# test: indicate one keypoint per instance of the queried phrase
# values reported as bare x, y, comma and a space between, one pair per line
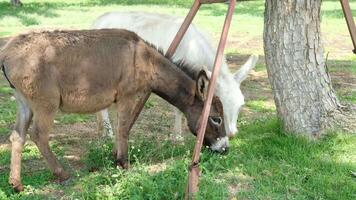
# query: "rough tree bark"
16, 3
296, 67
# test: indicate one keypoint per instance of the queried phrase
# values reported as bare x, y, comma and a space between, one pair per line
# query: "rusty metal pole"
185, 25
350, 21
194, 170
179, 36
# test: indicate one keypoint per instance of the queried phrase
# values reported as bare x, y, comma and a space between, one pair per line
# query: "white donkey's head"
231, 96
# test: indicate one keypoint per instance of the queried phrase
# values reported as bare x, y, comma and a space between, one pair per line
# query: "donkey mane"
182, 65
160, 50
187, 68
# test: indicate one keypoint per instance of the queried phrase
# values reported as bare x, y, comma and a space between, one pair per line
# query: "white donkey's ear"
245, 69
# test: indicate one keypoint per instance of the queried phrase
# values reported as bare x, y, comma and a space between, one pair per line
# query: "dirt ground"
3, 41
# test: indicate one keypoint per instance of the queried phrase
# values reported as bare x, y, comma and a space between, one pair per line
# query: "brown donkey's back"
77, 71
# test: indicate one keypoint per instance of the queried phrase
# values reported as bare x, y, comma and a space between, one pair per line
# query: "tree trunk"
296, 67
16, 3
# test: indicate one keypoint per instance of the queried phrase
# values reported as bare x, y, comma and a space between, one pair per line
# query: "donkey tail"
3, 55
3, 68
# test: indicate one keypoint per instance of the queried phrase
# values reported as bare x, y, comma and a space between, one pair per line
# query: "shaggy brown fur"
86, 71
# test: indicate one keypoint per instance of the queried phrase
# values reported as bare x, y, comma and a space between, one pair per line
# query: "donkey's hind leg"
42, 124
18, 138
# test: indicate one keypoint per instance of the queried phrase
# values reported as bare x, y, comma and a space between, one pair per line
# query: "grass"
7, 109
263, 162
260, 106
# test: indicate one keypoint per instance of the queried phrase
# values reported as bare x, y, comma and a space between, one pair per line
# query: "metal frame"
194, 171
350, 21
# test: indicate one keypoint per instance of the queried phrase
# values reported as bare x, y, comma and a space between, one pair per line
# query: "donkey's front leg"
128, 111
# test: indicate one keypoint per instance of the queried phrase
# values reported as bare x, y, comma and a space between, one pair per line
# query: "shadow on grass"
22, 13
48, 9
181, 3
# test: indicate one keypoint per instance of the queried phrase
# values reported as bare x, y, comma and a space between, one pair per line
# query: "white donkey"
195, 49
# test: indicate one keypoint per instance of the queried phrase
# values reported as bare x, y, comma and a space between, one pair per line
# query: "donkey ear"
202, 85
245, 69
208, 74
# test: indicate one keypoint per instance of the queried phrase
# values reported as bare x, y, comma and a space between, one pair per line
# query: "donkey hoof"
122, 164
62, 176
17, 186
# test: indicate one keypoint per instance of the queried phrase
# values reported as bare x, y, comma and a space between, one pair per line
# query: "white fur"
220, 145
195, 49
106, 123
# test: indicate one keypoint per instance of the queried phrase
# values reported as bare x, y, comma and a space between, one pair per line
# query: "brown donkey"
86, 71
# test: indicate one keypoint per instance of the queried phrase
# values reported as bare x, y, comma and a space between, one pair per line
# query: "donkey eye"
215, 120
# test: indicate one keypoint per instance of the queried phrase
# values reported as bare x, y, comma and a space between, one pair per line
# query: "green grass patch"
73, 118
6, 90
7, 114
347, 96
295, 167
260, 67
260, 106
263, 161
5, 157
140, 151
346, 66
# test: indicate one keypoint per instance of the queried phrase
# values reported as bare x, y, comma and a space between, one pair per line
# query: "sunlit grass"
247, 24
260, 106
